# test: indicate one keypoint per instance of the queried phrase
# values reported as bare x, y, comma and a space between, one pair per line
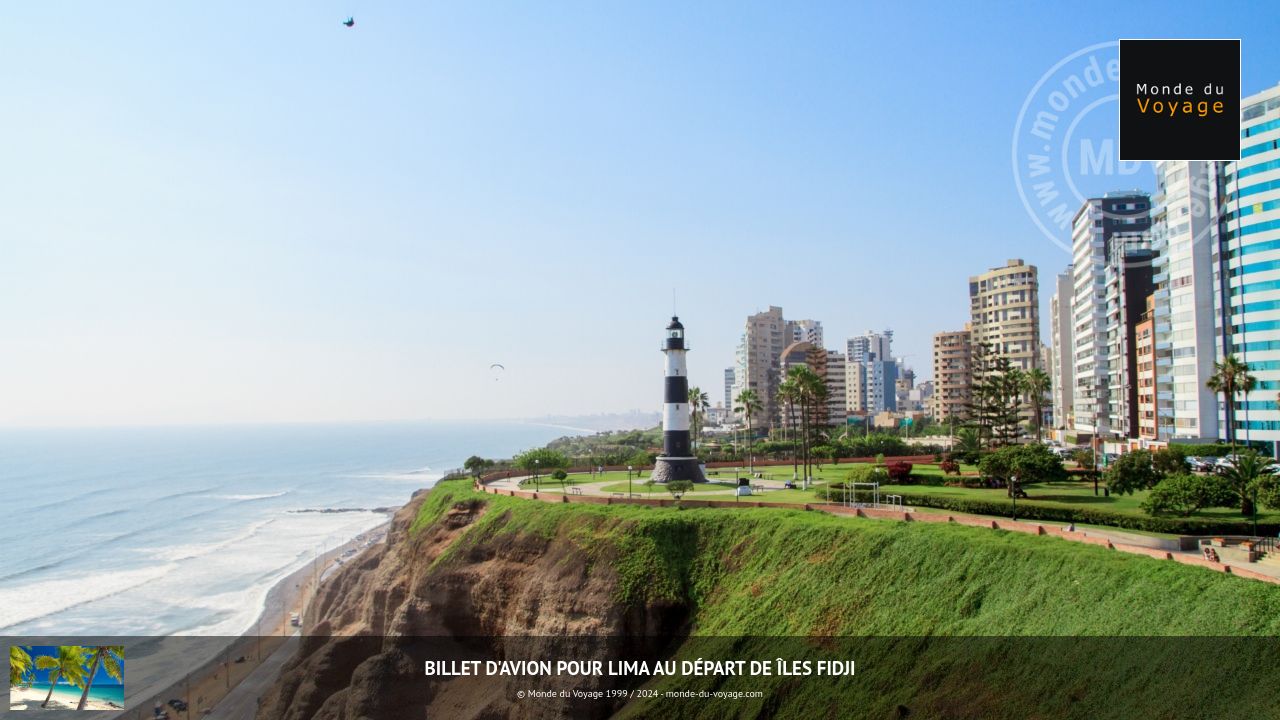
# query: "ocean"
71, 695
183, 531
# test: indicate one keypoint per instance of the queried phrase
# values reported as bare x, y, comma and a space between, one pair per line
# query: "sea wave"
37, 600
249, 497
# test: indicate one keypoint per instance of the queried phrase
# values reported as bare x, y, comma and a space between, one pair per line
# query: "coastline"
206, 685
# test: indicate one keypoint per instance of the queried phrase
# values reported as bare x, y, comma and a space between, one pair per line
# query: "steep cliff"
465, 575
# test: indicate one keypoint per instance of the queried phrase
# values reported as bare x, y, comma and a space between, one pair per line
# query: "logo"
1180, 99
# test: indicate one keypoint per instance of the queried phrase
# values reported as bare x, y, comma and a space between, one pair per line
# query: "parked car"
178, 705
1201, 464
294, 620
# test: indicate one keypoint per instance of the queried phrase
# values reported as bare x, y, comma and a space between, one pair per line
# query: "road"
242, 701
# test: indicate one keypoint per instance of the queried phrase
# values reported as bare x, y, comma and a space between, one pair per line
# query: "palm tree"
1242, 475
111, 657
1231, 376
699, 403
748, 404
19, 665
1036, 383
67, 665
811, 391
788, 393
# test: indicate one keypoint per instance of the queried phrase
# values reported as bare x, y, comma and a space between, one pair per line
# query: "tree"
788, 394
67, 665
1022, 464
1036, 383
477, 465
560, 476
995, 398
1231, 376
1169, 461
1244, 476
968, 446
810, 391
111, 658
678, 488
748, 404
20, 665
1183, 493
1130, 472
699, 404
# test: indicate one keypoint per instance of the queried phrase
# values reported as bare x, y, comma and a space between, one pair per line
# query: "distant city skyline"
249, 213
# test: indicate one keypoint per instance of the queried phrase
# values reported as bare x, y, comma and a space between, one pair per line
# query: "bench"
575, 490
619, 495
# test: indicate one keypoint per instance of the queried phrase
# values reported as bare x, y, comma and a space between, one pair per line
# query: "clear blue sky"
218, 212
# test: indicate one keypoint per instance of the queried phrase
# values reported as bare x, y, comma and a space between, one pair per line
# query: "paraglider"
497, 369
349, 22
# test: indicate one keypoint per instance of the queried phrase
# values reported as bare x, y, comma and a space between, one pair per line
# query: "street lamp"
628, 482
1013, 490
537, 486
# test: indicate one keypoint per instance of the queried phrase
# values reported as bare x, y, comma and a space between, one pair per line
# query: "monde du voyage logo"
1179, 100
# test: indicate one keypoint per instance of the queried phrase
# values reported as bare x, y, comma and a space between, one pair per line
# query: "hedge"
1169, 525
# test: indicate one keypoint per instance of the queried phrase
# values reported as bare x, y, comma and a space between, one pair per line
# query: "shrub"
865, 473
559, 475
1184, 493
949, 467
1028, 463
899, 472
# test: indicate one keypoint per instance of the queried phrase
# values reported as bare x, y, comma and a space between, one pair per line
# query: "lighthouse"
677, 461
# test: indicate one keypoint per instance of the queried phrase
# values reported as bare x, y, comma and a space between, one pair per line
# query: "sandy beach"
30, 699
206, 685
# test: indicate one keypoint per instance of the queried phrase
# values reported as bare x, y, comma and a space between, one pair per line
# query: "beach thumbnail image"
66, 677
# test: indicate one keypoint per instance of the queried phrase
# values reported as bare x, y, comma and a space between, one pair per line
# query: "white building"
1184, 235
1095, 224
1061, 369
1250, 245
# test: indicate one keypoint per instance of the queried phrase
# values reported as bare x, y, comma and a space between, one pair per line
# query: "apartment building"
1060, 371
1093, 227
1004, 313
952, 376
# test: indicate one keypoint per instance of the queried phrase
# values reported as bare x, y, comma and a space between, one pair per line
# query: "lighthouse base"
666, 469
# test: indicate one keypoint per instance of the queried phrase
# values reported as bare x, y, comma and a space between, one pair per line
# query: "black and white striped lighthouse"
677, 461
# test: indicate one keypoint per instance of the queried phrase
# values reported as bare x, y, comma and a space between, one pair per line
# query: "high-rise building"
902, 388
837, 397
1128, 284
728, 387
1004, 313
1145, 345
1093, 227
1250, 251
1060, 371
952, 375
1184, 235
759, 358
805, 331
870, 373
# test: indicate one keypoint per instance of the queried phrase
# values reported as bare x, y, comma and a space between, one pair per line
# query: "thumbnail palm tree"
1231, 376
111, 658
699, 403
19, 664
1036, 384
748, 404
67, 665
1242, 476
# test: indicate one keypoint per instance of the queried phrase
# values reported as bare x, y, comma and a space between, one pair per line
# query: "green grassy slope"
770, 573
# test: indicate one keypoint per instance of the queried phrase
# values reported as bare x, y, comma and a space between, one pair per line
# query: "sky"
246, 212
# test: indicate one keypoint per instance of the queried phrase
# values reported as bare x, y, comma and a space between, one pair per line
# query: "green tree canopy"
1130, 472
1183, 493
542, 460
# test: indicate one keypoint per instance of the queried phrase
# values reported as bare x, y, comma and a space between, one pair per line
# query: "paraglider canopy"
496, 370
349, 22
